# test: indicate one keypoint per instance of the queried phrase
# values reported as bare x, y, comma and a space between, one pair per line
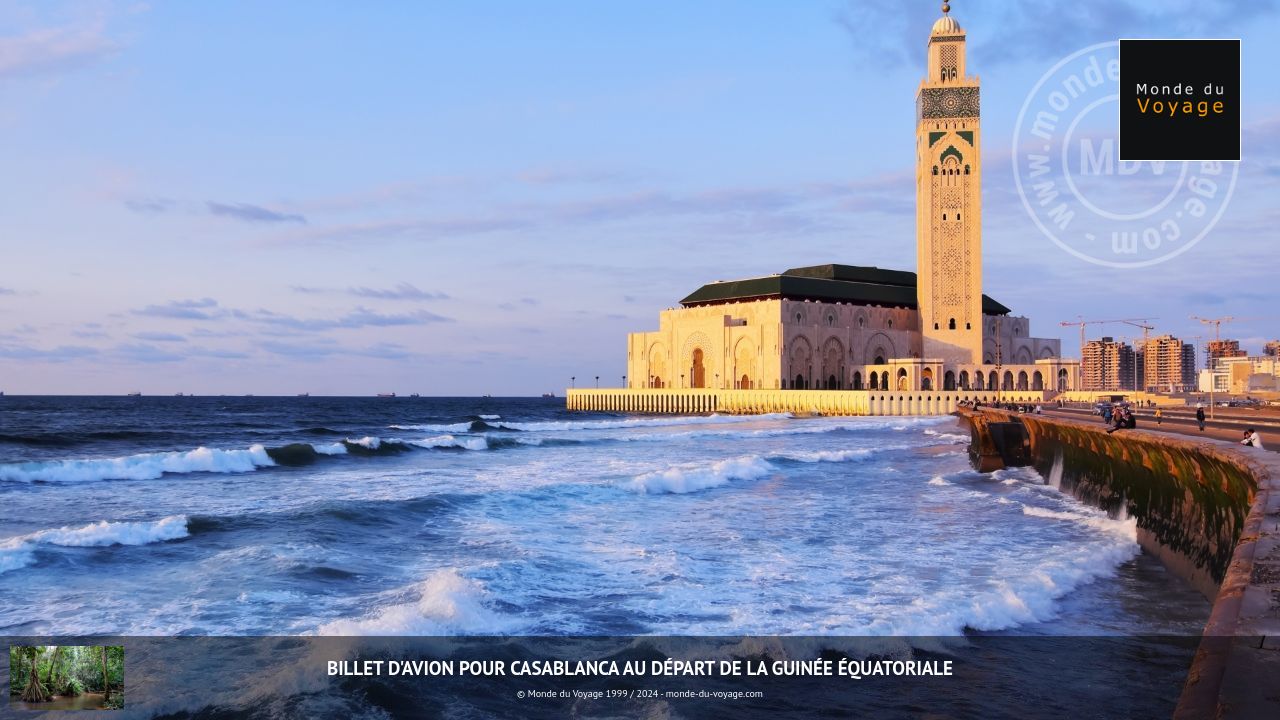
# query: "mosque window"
831, 320
935, 326
889, 324
951, 325
797, 317
862, 322
966, 169
935, 169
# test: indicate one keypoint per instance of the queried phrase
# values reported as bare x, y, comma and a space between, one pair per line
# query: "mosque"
844, 327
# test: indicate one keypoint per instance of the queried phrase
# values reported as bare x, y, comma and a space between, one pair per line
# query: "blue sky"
466, 198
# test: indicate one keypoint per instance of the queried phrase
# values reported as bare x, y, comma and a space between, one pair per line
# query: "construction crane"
1082, 322
1216, 323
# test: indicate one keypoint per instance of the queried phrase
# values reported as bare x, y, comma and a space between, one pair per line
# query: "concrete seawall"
1210, 510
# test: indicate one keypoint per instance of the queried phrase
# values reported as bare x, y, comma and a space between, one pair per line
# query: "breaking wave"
144, 466
446, 603
17, 552
691, 478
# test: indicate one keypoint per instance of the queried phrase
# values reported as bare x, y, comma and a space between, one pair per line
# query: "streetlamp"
573, 381
717, 379
624, 381
681, 381
597, 382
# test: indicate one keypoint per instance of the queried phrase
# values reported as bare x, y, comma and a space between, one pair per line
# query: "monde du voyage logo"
1125, 152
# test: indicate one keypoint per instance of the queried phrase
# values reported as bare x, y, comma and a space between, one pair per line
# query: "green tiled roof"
827, 283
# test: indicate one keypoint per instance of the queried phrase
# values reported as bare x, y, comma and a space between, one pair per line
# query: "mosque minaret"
858, 328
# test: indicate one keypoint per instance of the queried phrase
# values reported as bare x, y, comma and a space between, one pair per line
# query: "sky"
485, 197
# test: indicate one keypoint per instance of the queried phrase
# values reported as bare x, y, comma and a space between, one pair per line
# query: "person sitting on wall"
1252, 439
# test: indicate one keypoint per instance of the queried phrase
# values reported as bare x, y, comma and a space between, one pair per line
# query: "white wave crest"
449, 428
832, 456
447, 604
331, 449
368, 441
490, 417
145, 466
687, 479
17, 552
451, 441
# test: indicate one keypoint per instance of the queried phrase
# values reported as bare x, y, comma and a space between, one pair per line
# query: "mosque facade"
844, 327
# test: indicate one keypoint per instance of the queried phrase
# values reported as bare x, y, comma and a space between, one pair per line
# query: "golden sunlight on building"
932, 334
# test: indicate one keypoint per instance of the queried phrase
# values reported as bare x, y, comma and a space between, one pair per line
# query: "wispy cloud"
150, 206
62, 353
358, 318
311, 351
254, 213
160, 337
47, 50
202, 309
402, 291
8, 291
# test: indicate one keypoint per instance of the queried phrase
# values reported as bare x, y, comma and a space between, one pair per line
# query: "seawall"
1210, 510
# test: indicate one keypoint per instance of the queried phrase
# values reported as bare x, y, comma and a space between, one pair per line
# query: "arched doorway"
1008, 380
799, 382
884, 380
992, 381
964, 379
857, 380
698, 372
1022, 379
977, 381
656, 381
902, 379
1037, 381
1062, 379
948, 380
875, 380
832, 383
745, 382
926, 379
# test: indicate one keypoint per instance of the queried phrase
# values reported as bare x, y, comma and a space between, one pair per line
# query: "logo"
1082, 196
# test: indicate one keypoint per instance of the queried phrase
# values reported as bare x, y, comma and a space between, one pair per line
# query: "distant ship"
415, 395
304, 394
548, 395
386, 395
135, 394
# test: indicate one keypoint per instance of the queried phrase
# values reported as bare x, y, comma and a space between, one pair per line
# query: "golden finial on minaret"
946, 7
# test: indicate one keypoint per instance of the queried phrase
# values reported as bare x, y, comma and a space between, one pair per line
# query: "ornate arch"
745, 372
658, 358
879, 342
695, 341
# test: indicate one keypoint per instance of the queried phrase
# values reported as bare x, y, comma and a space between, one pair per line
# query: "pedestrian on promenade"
1159, 416
1200, 416
1106, 415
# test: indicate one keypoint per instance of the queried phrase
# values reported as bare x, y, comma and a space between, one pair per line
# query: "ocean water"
431, 516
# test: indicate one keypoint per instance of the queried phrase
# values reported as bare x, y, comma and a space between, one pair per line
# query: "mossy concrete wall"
1210, 510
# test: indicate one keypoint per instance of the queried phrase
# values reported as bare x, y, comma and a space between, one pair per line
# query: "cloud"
49, 50
144, 353
254, 213
358, 318
202, 309
320, 350
62, 353
402, 291
526, 301
151, 206
160, 337
8, 291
